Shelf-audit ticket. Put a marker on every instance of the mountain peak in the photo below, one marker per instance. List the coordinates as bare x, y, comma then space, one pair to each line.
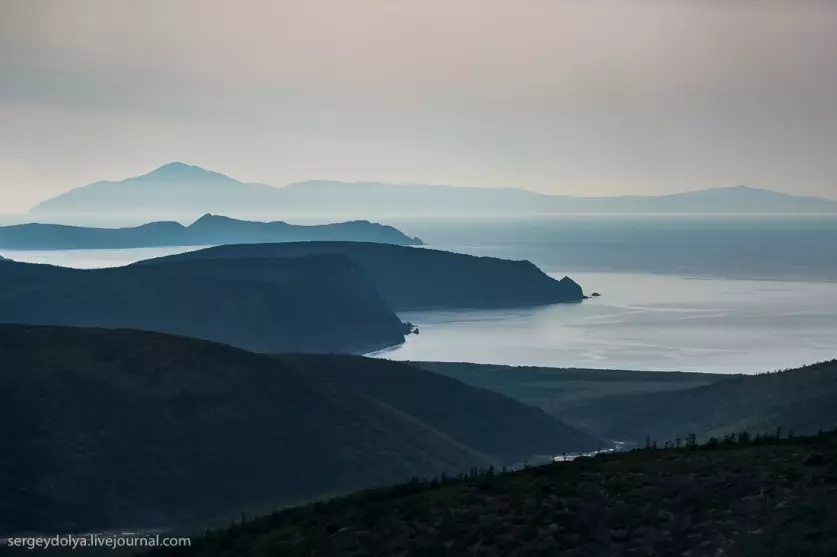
181, 171
210, 220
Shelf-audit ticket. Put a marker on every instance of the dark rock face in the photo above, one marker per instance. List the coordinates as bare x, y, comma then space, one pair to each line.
412, 278
572, 288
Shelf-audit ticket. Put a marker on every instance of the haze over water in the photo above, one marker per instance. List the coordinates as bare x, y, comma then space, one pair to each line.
716, 294
647, 322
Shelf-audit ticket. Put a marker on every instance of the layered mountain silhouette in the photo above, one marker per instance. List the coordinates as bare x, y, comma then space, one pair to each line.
293, 297
307, 304
182, 189
376, 198
171, 189
108, 429
409, 278
208, 230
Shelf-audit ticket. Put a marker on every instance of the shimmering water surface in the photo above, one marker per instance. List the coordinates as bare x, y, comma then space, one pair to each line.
721, 294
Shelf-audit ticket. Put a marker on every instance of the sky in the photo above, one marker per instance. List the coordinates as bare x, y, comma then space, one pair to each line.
580, 97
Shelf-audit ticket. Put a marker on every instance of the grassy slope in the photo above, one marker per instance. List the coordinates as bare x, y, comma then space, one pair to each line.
777, 498
558, 389
803, 400
489, 422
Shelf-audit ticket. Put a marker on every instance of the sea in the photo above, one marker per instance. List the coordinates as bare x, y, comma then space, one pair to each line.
720, 294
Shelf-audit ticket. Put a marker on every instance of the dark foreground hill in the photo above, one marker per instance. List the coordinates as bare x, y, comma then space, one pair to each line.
208, 230
738, 500
126, 429
308, 304
493, 424
803, 400
417, 278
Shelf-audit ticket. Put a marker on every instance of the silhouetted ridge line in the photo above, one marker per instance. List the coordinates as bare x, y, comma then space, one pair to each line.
208, 230
181, 189
411, 278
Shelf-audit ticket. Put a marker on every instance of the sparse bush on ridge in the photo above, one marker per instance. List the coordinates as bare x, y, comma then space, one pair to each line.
735, 496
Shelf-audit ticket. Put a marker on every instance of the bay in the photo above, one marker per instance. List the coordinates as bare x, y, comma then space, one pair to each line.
715, 294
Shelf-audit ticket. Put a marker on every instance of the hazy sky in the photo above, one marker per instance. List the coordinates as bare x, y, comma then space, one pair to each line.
595, 97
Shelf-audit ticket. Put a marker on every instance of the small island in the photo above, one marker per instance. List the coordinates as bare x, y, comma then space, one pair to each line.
208, 230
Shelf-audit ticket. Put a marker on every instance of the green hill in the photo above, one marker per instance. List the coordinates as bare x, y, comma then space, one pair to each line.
775, 498
631, 406
411, 278
127, 429
560, 389
803, 400
309, 304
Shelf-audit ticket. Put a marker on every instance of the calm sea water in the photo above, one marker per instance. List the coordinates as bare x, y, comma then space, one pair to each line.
647, 322
788, 247
723, 294
94, 258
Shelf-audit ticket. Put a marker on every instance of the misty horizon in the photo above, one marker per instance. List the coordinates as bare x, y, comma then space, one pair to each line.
604, 99
175, 171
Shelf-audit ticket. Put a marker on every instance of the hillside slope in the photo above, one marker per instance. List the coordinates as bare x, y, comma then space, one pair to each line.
507, 430
416, 278
129, 429
122, 428
802, 400
560, 389
208, 230
309, 304
751, 500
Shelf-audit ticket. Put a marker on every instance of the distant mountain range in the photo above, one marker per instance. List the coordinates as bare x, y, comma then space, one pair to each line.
181, 189
208, 230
